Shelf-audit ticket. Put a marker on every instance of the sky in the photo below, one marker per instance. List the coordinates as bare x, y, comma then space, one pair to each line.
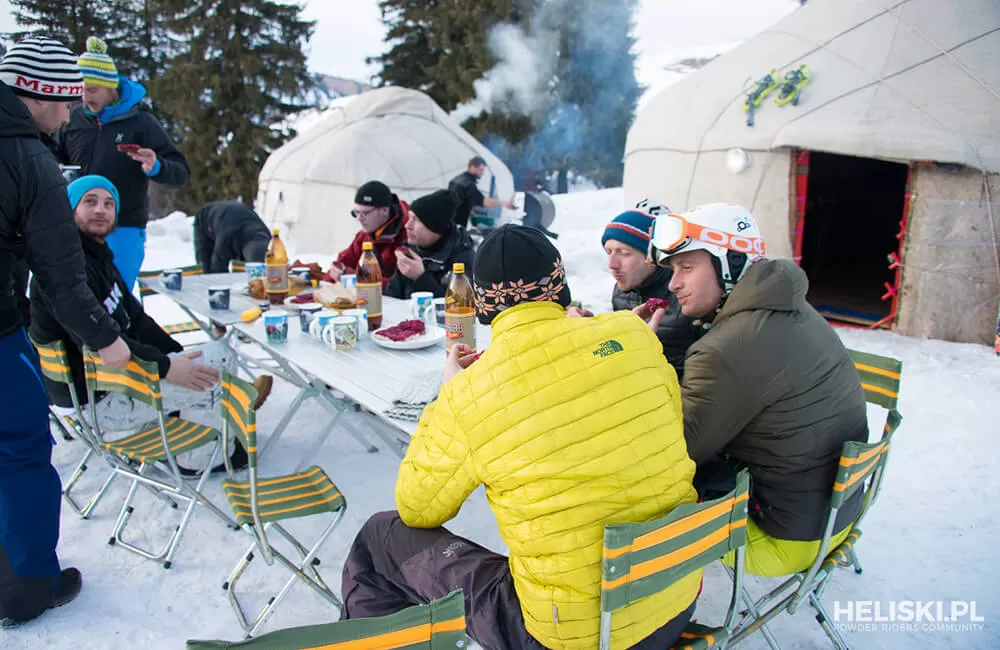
348, 31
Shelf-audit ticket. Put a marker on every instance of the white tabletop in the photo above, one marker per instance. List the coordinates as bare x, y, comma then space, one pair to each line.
194, 294
369, 374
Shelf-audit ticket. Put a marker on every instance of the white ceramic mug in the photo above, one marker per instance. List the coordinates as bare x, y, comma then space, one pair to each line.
361, 315
320, 322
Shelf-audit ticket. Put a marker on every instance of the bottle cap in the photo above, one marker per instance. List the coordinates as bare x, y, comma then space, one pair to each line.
274, 232
459, 267
366, 246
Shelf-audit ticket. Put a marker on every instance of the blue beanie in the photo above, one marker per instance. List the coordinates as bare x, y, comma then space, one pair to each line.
84, 184
630, 227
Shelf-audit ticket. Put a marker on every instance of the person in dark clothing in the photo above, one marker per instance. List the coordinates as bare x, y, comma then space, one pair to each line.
111, 119
382, 216
769, 385
94, 200
626, 242
226, 231
37, 80
465, 187
433, 245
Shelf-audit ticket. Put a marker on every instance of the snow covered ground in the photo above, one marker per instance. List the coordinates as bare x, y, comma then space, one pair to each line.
929, 538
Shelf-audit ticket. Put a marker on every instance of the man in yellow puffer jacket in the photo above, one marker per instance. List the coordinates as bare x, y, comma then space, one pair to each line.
571, 424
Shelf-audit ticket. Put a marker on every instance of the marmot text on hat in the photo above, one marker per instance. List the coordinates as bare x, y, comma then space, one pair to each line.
517, 264
42, 68
97, 67
374, 193
435, 210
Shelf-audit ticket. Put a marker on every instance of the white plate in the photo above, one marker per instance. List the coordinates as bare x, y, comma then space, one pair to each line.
295, 306
427, 339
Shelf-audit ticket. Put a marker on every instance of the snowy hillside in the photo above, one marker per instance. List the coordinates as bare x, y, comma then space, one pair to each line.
930, 536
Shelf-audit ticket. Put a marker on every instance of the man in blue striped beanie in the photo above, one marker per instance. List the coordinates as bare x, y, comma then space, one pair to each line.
626, 243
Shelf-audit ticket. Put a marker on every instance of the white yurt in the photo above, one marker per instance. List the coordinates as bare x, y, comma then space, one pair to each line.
881, 181
396, 135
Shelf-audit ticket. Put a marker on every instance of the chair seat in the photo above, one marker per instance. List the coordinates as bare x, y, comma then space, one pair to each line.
700, 637
285, 497
841, 556
182, 436
182, 328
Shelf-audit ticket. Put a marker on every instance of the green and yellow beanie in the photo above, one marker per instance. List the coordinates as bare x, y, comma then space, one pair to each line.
96, 66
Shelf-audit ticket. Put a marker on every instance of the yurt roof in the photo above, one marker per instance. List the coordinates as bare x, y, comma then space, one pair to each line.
891, 79
366, 136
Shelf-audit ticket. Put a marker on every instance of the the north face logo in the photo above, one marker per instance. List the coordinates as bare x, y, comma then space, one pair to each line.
607, 348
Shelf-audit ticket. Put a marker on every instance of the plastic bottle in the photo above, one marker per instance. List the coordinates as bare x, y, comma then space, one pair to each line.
460, 309
276, 263
369, 286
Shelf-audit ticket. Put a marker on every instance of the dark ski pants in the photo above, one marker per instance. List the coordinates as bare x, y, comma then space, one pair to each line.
391, 567
30, 490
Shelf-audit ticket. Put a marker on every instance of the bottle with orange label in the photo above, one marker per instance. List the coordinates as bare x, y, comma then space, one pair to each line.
460, 309
276, 270
369, 285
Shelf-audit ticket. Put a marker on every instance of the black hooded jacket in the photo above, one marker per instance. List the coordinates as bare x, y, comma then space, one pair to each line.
36, 226
92, 144
225, 231
676, 332
144, 337
455, 246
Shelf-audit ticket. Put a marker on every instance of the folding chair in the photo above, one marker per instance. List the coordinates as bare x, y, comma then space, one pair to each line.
55, 366
150, 454
437, 626
260, 504
861, 467
144, 292
642, 559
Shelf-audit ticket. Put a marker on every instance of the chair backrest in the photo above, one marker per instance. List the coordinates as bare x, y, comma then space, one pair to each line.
237, 266
194, 269
880, 377
858, 461
139, 379
238, 415
437, 626
642, 559
54, 361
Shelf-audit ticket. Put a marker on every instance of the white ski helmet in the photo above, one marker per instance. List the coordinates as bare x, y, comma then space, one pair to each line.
726, 231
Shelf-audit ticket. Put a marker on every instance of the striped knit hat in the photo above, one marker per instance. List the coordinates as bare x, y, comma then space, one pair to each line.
631, 228
97, 67
42, 68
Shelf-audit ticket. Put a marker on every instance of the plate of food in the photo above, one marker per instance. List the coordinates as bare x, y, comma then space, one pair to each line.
299, 300
335, 296
408, 335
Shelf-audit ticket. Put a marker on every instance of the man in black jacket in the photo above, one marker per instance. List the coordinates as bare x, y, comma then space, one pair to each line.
186, 382
38, 78
626, 241
465, 187
113, 135
433, 245
226, 231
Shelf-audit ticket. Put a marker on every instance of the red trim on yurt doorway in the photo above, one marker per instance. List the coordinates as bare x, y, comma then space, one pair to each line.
896, 258
801, 185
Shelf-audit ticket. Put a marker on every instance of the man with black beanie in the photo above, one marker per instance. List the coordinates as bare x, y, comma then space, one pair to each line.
382, 216
433, 244
549, 419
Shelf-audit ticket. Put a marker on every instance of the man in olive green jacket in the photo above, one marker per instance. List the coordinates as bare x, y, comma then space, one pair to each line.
769, 385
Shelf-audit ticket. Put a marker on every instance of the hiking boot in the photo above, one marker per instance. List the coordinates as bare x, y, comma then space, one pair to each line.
70, 583
262, 385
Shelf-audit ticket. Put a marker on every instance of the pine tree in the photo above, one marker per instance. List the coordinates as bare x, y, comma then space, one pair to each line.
240, 70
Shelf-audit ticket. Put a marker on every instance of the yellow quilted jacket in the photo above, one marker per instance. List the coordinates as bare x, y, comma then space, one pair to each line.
571, 424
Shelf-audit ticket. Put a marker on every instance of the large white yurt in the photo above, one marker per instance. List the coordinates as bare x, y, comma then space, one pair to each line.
396, 135
881, 181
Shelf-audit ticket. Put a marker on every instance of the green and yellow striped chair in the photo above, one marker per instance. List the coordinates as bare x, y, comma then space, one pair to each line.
151, 453
861, 467
145, 292
55, 366
260, 504
437, 626
237, 266
642, 559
